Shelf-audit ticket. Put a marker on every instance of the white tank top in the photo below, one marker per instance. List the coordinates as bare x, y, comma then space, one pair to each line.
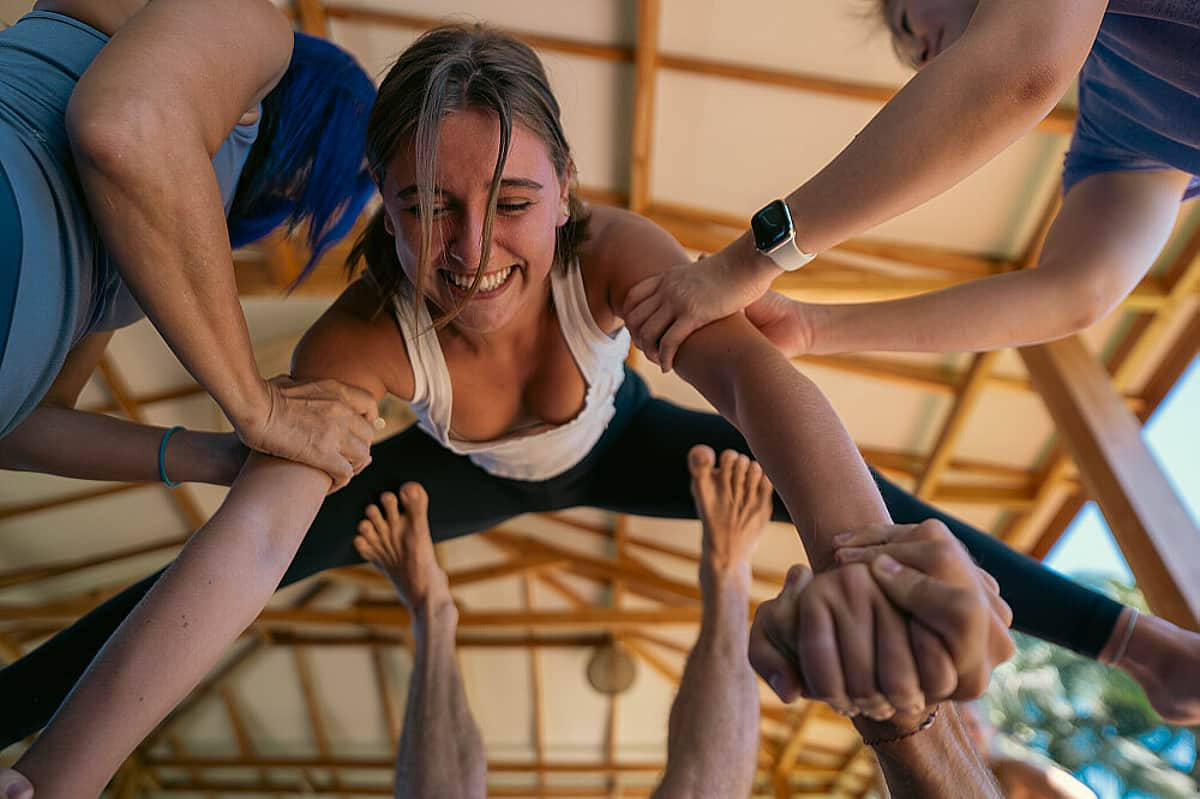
535, 456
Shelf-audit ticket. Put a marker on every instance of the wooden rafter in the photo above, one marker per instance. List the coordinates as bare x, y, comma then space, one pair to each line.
1147, 518
645, 82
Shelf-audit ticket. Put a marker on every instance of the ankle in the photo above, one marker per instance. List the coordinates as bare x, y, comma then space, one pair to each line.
724, 576
436, 613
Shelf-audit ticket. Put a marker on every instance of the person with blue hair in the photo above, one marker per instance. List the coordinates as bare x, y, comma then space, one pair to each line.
129, 169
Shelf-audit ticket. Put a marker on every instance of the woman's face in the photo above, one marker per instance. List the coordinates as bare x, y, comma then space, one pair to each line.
925, 28
531, 205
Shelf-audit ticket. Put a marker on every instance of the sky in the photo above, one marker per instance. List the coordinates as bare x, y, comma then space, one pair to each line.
1173, 435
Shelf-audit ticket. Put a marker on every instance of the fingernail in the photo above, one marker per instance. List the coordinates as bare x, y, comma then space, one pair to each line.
842, 538
888, 564
380, 423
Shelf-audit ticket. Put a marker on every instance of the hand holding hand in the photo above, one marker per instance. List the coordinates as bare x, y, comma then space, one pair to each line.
785, 322
928, 573
663, 310
322, 423
837, 638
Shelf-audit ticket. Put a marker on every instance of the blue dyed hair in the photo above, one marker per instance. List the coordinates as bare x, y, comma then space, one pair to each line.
307, 165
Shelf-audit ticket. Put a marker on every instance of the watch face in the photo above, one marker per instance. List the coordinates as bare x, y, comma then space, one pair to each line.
772, 225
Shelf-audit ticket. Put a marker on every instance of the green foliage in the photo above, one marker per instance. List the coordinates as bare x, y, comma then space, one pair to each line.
1091, 719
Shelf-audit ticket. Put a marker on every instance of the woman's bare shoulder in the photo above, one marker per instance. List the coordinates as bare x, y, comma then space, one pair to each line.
357, 341
623, 248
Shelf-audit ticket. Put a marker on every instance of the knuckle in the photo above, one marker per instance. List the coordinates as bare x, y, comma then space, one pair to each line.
896, 682
855, 578
972, 684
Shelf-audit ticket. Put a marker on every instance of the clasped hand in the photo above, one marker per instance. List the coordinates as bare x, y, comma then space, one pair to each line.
322, 423
904, 621
663, 310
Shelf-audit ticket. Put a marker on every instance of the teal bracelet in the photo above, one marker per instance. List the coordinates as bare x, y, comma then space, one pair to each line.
162, 457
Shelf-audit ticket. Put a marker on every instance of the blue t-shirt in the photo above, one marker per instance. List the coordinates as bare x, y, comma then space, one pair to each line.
1139, 93
66, 285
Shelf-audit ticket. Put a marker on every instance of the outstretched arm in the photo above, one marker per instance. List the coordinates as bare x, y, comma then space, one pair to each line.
789, 425
1012, 63
144, 123
213, 591
1110, 229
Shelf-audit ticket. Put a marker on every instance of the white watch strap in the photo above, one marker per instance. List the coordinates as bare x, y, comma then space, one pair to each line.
788, 256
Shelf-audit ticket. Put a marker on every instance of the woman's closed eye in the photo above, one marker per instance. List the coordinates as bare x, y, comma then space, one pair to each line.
513, 206
435, 211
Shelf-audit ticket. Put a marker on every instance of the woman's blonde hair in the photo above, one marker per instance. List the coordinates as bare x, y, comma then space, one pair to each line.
447, 69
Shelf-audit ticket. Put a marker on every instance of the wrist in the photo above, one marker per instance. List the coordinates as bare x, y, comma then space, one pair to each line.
190, 457
248, 406
751, 266
898, 729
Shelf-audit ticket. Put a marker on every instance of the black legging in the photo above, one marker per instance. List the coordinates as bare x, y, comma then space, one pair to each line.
637, 467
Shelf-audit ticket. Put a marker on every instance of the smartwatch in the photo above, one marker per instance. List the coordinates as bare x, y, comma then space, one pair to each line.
775, 236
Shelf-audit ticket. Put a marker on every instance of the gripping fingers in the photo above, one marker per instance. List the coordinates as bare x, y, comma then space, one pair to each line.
637, 295
363, 404
770, 658
636, 316
668, 345
897, 671
772, 637
652, 332
938, 675
872, 535
820, 662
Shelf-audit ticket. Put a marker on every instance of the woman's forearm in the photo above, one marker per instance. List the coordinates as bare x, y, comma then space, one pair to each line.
1014, 309
144, 122
213, 591
92, 446
955, 115
173, 247
791, 428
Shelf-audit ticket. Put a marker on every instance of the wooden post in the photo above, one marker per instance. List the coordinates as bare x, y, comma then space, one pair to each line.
1147, 518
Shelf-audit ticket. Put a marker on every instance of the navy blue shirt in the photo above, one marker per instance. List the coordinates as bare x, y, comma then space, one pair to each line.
1139, 93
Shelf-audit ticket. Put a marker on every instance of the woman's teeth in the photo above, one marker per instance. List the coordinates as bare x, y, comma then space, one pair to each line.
490, 282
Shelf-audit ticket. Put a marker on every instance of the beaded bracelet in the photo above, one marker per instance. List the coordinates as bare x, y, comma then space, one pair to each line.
924, 725
162, 457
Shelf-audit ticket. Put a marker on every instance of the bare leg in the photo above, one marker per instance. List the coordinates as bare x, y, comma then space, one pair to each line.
713, 738
14, 786
1163, 659
441, 752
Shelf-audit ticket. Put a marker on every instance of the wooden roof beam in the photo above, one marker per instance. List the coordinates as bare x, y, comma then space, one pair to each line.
1147, 518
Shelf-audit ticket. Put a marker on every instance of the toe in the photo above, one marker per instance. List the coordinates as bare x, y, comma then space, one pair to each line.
391, 509
416, 501
700, 460
364, 548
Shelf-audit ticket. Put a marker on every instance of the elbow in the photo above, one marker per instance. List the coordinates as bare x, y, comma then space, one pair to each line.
1083, 303
1039, 85
112, 137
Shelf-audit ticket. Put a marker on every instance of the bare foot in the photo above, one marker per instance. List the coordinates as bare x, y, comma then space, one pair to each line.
14, 786
1164, 660
733, 501
398, 543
